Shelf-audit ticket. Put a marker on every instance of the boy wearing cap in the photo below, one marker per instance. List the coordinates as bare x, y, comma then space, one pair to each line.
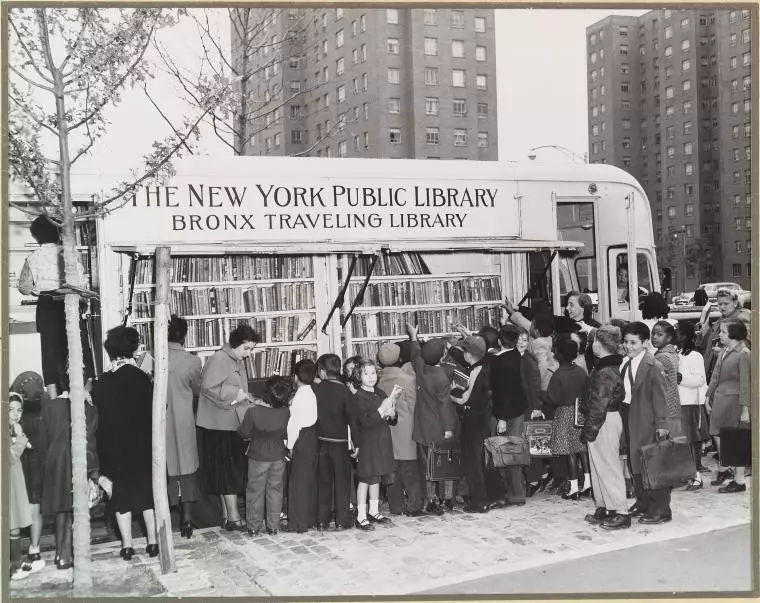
435, 419
404, 447
475, 417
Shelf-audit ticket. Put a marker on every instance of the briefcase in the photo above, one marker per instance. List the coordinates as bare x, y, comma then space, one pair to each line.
667, 463
506, 451
736, 446
443, 463
537, 435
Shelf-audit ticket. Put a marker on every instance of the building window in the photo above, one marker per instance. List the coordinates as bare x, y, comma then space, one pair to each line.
626, 143
341, 91
625, 105
689, 168
295, 136
432, 135
626, 124
685, 65
736, 269
626, 162
686, 85
483, 140
592, 39
670, 192
592, 58
430, 16
366, 140
394, 105
689, 210
431, 106
480, 54
671, 152
339, 39
670, 172
747, 105
458, 78
685, 45
732, 63
365, 82
671, 211
746, 82
325, 75
594, 111
734, 108
668, 32
687, 127
431, 46
457, 19
393, 46
277, 139
747, 223
625, 68
745, 36
364, 53
457, 49
623, 31
338, 14
687, 148
595, 130
688, 190
460, 107
340, 66
354, 29
342, 148
669, 92
481, 82
594, 75
431, 76
747, 130
738, 223
354, 57
480, 25
746, 58
365, 110
748, 153
363, 23
394, 75
355, 86
482, 109
625, 87
394, 135
624, 50
686, 107
460, 137
391, 16
668, 51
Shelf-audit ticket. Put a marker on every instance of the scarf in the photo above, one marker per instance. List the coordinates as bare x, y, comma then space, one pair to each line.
119, 362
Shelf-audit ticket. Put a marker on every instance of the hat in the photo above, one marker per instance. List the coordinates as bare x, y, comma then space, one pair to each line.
388, 354
433, 350
475, 345
30, 385
405, 348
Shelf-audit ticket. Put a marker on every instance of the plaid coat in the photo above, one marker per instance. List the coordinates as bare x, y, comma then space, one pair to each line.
667, 356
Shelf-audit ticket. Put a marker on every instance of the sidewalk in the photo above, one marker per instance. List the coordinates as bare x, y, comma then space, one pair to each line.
409, 556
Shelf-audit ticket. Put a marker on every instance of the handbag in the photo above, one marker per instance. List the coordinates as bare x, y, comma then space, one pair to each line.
667, 463
506, 451
444, 463
537, 435
736, 446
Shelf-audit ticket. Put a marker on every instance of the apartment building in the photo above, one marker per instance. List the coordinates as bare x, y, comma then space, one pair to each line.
669, 101
359, 82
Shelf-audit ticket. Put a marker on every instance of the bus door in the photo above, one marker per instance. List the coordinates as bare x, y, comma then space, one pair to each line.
619, 284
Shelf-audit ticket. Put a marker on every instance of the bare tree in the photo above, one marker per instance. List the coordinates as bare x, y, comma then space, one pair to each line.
66, 67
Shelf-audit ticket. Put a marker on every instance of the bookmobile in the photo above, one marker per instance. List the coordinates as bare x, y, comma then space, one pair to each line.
337, 256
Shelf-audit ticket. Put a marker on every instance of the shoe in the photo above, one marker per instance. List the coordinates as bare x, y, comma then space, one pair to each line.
364, 524
152, 550
449, 504
703, 469
233, 526
635, 511
543, 482
694, 484
35, 561
598, 516
126, 553
379, 518
655, 519
475, 509
417, 513
722, 476
554, 485
574, 496
617, 522
21, 572
321, 527
186, 530
254, 533
532, 489
271, 532
587, 493
515, 503
434, 509
64, 565
497, 504
732, 487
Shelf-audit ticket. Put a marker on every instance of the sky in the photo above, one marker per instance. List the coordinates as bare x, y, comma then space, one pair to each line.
541, 90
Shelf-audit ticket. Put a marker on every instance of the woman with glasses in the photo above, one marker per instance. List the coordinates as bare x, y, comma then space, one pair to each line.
224, 385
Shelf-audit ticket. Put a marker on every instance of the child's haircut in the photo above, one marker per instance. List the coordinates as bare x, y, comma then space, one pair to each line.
668, 328
361, 364
491, 335
305, 370
637, 328
566, 349
349, 375
609, 338
16, 397
278, 391
330, 364
544, 324
509, 334
736, 330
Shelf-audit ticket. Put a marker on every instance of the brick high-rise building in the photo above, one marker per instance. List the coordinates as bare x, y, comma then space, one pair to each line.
669, 101
361, 82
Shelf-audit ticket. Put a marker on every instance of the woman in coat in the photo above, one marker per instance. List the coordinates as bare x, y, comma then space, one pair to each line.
55, 459
181, 443
645, 419
728, 396
124, 399
224, 385
708, 337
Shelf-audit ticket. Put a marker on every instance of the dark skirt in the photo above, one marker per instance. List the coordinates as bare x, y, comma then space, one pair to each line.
223, 462
694, 423
183, 488
132, 494
565, 435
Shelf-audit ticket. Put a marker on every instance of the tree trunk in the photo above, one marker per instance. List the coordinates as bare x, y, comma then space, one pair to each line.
160, 382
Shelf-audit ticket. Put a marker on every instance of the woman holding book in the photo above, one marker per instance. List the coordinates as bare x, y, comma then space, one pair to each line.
224, 385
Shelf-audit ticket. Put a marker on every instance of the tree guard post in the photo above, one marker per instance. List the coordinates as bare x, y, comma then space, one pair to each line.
160, 382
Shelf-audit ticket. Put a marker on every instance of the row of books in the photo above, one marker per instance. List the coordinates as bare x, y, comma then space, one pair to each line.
407, 293
204, 269
384, 324
275, 297
266, 362
391, 264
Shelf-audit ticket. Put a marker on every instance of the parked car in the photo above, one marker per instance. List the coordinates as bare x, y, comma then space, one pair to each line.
685, 299
712, 289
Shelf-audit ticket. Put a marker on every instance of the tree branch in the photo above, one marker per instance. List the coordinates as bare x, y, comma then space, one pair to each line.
166, 119
28, 81
35, 119
28, 52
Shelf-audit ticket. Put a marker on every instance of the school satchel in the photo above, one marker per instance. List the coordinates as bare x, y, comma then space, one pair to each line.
506, 451
537, 435
667, 463
444, 462
736, 446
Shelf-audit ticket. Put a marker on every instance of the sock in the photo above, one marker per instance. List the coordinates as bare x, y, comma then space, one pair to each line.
586, 481
361, 512
573, 486
33, 550
738, 475
374, 506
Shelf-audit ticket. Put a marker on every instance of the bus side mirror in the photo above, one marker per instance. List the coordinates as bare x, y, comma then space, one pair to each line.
667, 279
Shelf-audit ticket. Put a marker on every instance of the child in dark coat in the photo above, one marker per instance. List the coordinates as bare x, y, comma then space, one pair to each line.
375, 412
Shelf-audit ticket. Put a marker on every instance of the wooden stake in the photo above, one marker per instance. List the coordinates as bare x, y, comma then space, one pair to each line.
160, 382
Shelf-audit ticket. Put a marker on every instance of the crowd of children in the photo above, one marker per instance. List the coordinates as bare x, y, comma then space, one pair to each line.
327, 444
